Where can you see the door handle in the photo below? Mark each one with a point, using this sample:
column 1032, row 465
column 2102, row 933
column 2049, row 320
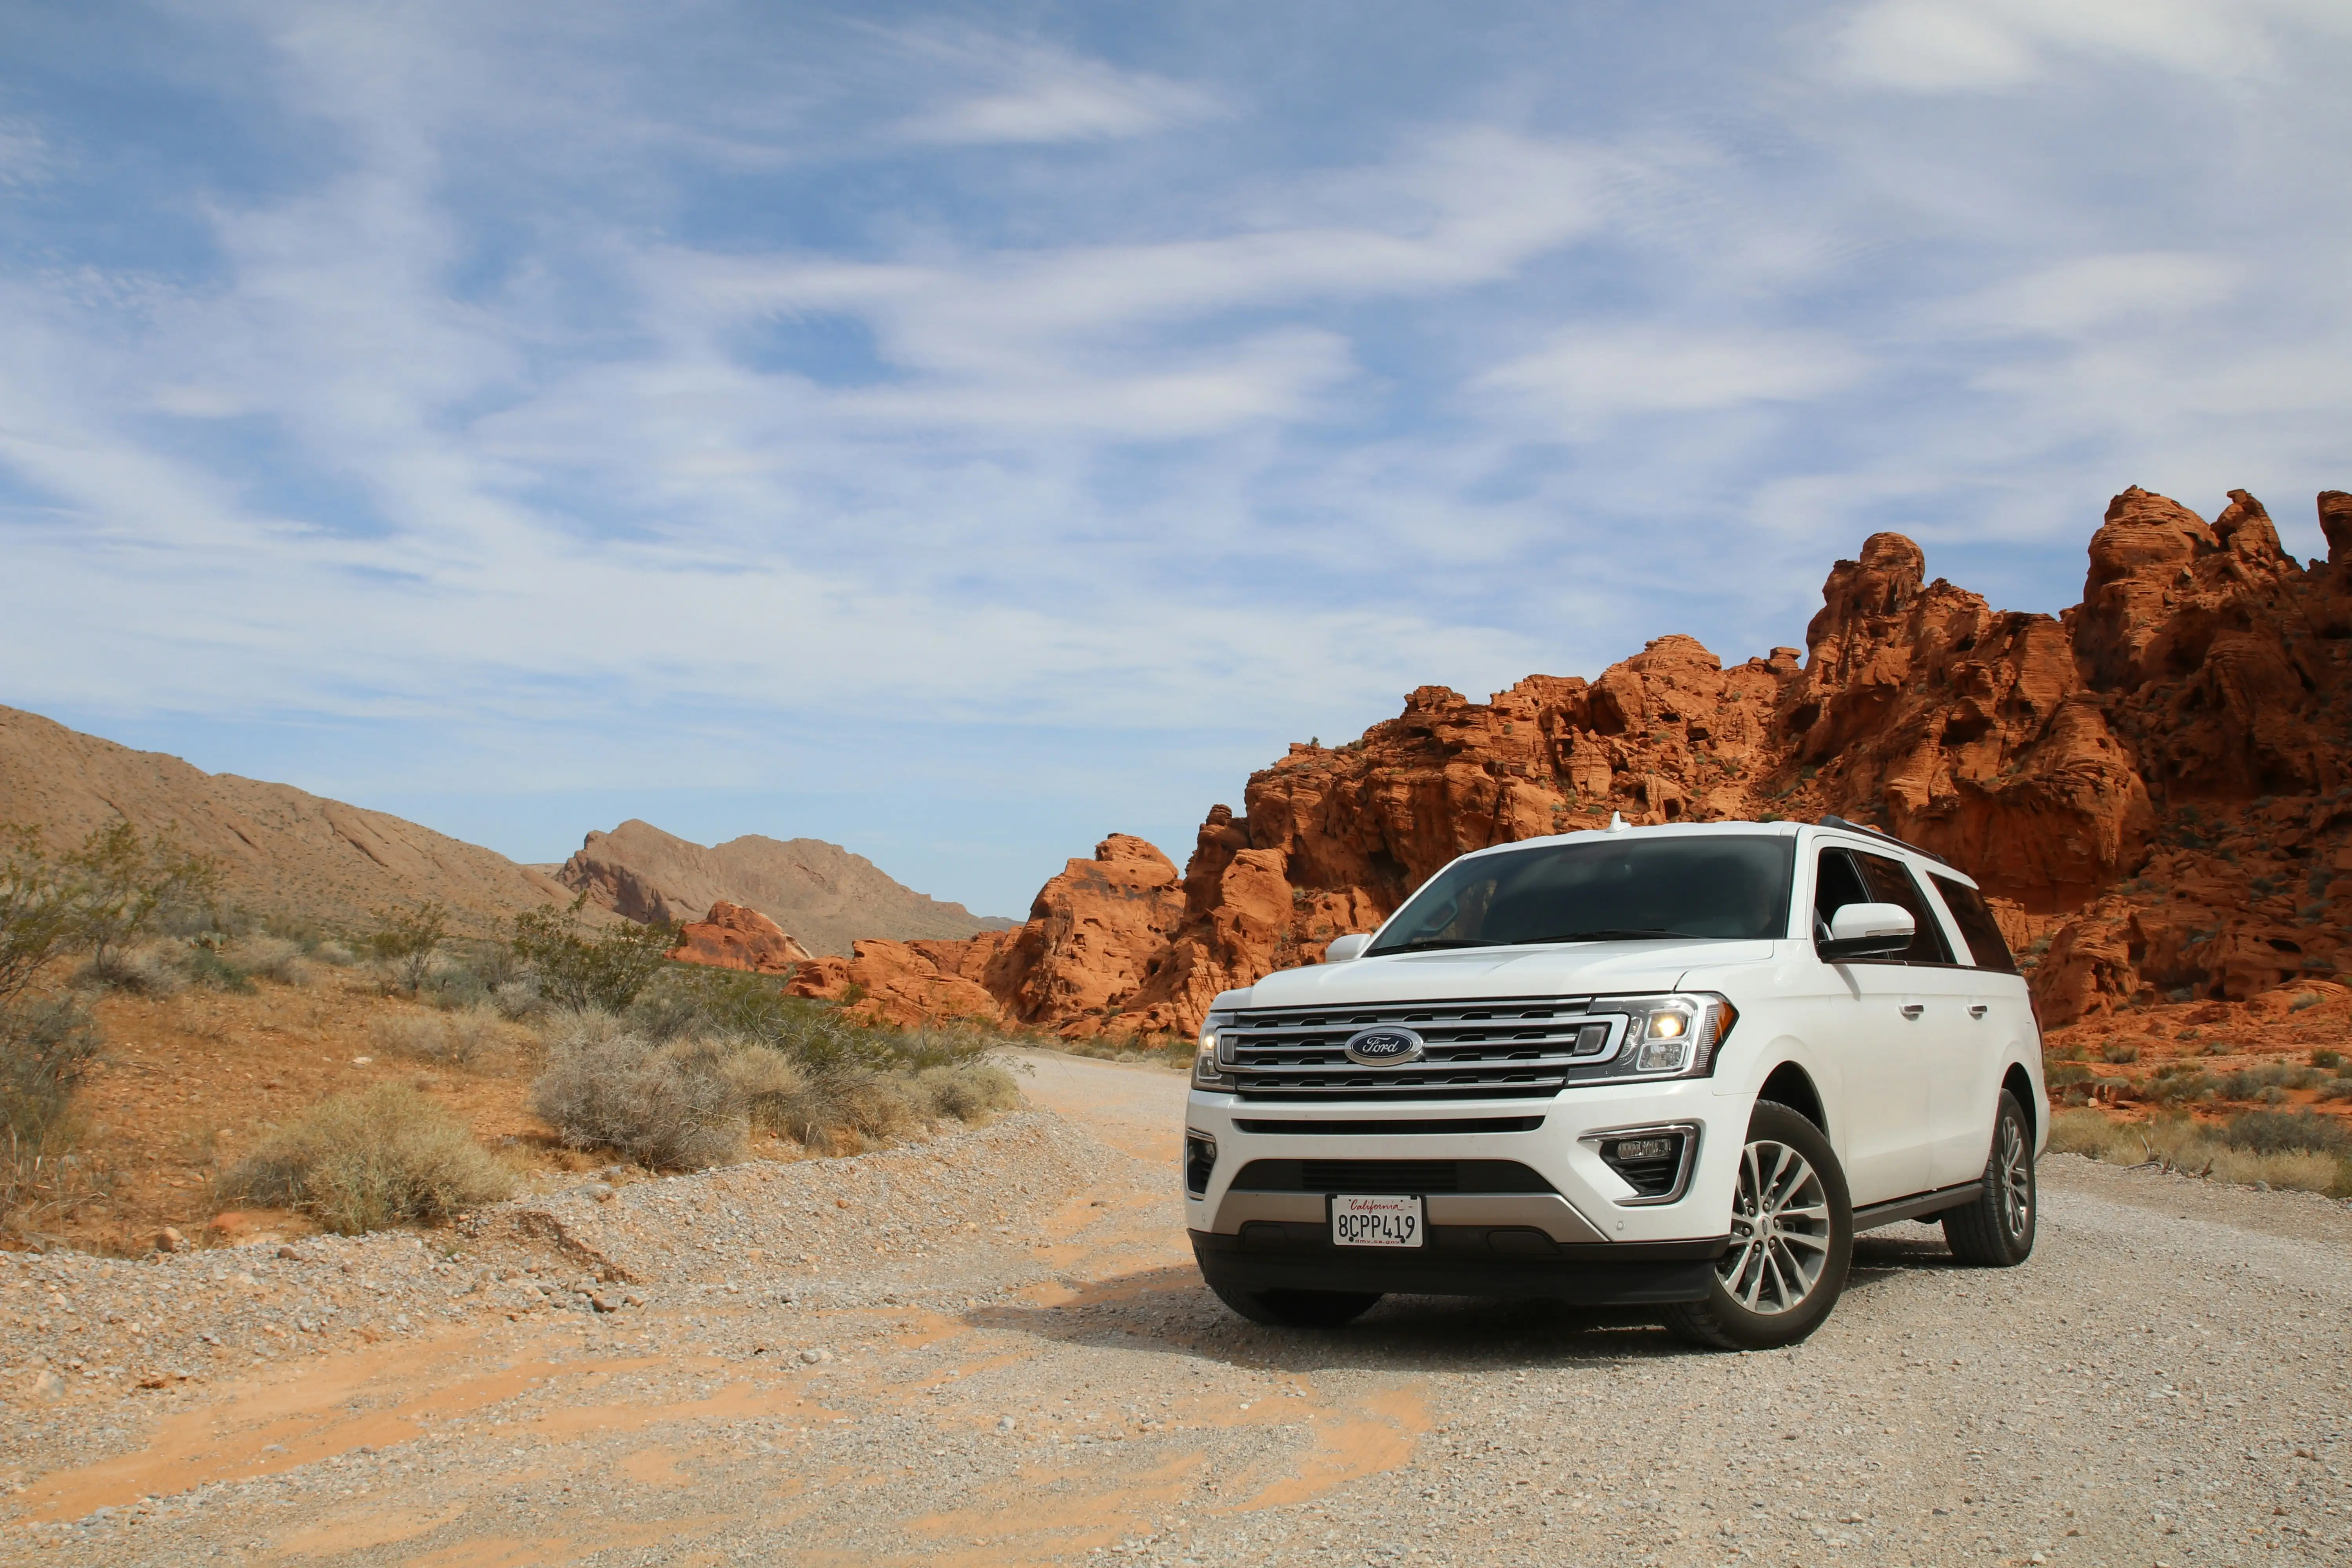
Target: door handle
column 1913, row 1009
column 1977, row 1010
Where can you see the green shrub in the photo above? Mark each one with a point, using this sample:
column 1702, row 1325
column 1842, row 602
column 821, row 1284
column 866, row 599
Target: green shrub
column 576, row 967
column 2117, row 1052
column 208, row 968
column 2324, row 1057
column 406, row 939
column 385, row 1156
column 2060, row 1075
column 46, row 1047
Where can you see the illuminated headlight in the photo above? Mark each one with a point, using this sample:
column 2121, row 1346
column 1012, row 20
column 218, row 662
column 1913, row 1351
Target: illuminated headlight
column 1670, row 1036
column 1205, row 1071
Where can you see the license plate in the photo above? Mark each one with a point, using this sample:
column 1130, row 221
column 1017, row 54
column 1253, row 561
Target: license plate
column 1358, row 1221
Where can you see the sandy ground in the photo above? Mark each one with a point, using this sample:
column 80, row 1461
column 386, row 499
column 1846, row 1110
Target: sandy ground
column 993, row 1349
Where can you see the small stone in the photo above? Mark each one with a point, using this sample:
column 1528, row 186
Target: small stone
column 170, row 1240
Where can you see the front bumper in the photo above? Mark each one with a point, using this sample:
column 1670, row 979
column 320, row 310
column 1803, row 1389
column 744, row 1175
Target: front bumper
column 1588, row 1206
column 1459, row 1260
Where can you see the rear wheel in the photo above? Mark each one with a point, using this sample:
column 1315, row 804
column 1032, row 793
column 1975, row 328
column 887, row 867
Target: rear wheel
column 1994, row 1229
column 1792, row 1241
column 1298, row 1309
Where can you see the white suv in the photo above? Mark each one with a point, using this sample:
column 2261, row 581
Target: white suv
column 1678, row 1064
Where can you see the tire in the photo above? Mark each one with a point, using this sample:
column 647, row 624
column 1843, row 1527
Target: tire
column 1298, row 1309
column 1792, row 1241
column 1995, row 1228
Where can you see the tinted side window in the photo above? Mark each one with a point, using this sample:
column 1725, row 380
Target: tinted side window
column 1891, row 882
column 1977, row 924
column 1835, row 884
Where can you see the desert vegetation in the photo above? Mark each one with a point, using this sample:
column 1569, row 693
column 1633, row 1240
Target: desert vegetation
column 2297, row 1150
column 356, row 1162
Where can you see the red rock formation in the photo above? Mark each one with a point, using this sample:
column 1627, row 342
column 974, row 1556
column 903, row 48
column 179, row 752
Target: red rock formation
column 734, row 937
column 2151, row 786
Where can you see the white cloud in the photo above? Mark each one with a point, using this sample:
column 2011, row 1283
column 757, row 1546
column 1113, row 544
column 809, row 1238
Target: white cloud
column 1587, row 374
column 1054, row 97
column 2140, row 289
column 1991, row 45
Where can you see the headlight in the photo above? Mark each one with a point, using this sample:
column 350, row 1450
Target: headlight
column 1205, row 1073
column 1675, row 1035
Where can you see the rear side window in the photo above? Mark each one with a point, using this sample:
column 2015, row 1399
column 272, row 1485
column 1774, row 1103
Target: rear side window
column 1977, row 924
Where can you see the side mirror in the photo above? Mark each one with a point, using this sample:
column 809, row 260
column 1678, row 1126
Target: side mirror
column 1344, row 948
column 1868, row 930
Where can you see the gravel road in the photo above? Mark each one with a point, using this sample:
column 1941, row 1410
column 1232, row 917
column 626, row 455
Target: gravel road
column 991, row 1348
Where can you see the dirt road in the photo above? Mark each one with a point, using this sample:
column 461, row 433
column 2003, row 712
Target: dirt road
column 992, row 1349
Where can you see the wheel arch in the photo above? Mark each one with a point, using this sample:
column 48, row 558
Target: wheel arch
column 1790, row 1085
column 2020, row 1084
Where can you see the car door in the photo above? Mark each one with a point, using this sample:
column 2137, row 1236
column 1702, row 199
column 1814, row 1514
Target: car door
column 1868, row 1026
column 1938, row 1024
column 1961, row 1098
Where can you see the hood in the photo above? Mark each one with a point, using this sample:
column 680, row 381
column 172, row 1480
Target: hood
column 1565, row 969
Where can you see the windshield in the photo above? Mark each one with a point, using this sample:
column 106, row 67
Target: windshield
column 1620, row 891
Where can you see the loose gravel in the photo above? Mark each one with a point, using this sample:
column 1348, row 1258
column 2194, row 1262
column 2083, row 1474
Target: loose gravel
column 993, row 1348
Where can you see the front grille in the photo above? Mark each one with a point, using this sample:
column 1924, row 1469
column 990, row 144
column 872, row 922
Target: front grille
column 1389, row 1176
column 1521, row 1047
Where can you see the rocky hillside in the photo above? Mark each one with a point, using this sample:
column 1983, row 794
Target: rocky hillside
column 280, row 849
column 820, row 893
column 2153, row 784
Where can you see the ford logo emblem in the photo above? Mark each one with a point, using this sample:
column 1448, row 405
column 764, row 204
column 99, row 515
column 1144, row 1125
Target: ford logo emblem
column 1384, row 1047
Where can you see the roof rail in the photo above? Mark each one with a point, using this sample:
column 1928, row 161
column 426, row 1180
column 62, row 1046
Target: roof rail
column 1882, row 832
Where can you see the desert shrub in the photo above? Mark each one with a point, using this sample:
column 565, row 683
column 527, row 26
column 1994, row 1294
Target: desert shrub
column 2250, row 1083
column 2267, row 1131
column 336, row 953
column 672, row 1107
column 2279, row 1149
column 2117, row 1052
column 969, row 1091
column 148, row 970
column 2177, row 1084
column 46, row 1046
column 277, row 959
column 209, row 967
column 2321, row 1056
column 2060, row 1075
column 454, row 1039
column 2302, row 999
column 383, row 1156
column 577, row 967
column 2336, row 1089
column 405, row 941
column 123, row 881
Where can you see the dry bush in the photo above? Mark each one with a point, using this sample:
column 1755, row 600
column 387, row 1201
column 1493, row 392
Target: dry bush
column 454, row 1039
column 2298, row 1150
column 361, row 1161
column 969, row 1091
column 668, row 1107
column 147, row 971
column 272, row 958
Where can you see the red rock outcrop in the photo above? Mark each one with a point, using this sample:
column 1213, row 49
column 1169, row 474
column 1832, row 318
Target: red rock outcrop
column 2152, row 786
column 733, row 937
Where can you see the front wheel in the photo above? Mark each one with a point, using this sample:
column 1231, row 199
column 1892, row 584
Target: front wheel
column 1792, row 1241
column 1994, row 1229
column 1298, row 1309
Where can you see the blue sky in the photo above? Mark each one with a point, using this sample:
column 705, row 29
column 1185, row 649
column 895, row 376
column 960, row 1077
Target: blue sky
column 961, row 433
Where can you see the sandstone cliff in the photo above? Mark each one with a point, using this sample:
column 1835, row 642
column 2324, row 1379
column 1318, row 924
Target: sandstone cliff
column 280, row 849
column 2151, row 786
column 820, row 892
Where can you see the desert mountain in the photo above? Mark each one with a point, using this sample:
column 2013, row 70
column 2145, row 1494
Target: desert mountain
column 280, row 848
column 2153, row 786
column 819, row 892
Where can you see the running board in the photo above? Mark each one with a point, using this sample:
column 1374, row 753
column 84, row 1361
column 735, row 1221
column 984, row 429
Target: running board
column 1916, row 1206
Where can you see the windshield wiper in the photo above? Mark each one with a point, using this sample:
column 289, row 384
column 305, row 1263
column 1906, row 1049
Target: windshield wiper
column 1606, row 933
column 1425, row 944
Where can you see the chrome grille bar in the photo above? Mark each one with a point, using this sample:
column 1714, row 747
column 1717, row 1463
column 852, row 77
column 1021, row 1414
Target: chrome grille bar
column 1490, row 1048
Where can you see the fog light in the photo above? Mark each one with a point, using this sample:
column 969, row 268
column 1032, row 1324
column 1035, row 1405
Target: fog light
column 1655, row 1161
column 1199, row 1160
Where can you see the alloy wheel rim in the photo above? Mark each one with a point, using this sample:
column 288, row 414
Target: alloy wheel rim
column 1779, row 1230
column 2016, row 1179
